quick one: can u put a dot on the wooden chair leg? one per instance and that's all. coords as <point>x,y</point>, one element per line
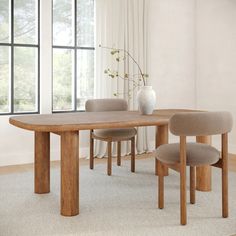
<point>224,193</point>
<point>192,184</point>
<point>161,187</point>
<point>119,153</point>
<point>91,158</point>
<point>225,207</point>
<point>109,160</point>
<point>133,154</point>
<point>183,208</point>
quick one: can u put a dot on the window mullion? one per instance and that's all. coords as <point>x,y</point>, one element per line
<point>75,59</point>
<point>12,57</point>
<point>38,79</point>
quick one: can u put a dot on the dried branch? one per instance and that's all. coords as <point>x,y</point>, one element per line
<point>117,50</point>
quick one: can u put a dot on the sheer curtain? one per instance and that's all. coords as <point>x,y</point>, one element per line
<point>121,24</point>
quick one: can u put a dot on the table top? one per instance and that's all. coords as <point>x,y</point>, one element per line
<point>74,121</point>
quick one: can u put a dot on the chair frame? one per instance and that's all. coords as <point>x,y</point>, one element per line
<point>109,141</point>
<point>181,168</point>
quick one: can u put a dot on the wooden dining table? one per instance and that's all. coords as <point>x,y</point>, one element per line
<point>68,125</point>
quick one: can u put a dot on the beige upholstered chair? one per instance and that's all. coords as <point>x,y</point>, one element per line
<point>111,135</point>
<point>178,155</point>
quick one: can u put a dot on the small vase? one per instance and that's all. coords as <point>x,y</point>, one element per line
<point>146,97</point>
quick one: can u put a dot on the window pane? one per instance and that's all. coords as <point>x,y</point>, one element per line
<point>63,22</point>
<point>85,23</point>
<point>4,21</point>
<point>25,79</point>
<point>85,77</point>
<point>63,77</point>
<point>4,79</point>
<point>25,21</point>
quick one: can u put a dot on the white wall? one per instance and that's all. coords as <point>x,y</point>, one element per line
<point>216,58</point>
<point>171,53</point>
<point>172,49</point>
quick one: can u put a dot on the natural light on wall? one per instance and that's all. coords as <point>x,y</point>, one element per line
<point>73,54</point>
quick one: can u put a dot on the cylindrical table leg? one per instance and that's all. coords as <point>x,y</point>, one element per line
<point>161,138</point>
<point>70,173</point>
<point>42,162</point>
<point>203,173</point>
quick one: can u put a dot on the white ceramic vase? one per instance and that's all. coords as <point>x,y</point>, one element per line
<point>146,97</point>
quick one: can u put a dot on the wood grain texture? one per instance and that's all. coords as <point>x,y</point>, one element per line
<point>119,153</point>
<point>183,192</point>
<point>42,162</point>
<point>69,173</point>
<point>91,156</point>
<point>160,191</point>
<point>203,173</point>
<point>133,154</point>
<point>192,184</point>
<point>67,126</point>
<point>162,134</point>
<point>224,153</point>
<point>92,120</point>
<point>109,159</point>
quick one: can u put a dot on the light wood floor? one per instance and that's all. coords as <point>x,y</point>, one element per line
<point>30,167</point>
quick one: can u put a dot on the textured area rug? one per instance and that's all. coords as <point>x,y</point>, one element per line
<point>123,204</point>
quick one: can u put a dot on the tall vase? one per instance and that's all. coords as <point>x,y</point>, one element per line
<point>146,97</point>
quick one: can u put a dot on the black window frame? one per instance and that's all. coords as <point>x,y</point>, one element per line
<point>74,48</point>
<point>12,45</point>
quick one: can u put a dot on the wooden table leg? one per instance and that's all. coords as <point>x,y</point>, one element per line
<point>70,173</point>
<point>42,162</point>
<point>203,173</point>
<point>161,138</point>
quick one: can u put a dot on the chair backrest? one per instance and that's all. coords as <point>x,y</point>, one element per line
<point>201,123</point>
<point>107,104</point>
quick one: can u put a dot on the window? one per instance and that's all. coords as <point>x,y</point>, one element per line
<point>19,56</point>
<point>73,54</point>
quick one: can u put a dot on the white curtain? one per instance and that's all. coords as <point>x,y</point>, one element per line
<point>121,24</point>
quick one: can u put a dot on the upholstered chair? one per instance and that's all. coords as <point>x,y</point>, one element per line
<point>179,155</point>
<point>111,135</point>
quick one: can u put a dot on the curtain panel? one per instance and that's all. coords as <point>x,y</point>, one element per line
<point>122,24</point>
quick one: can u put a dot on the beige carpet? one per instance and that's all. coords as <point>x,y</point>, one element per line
<point>124,204</point>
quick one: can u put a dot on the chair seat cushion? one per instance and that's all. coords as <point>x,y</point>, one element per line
<point>197,154</point>
<point>115,134</point>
